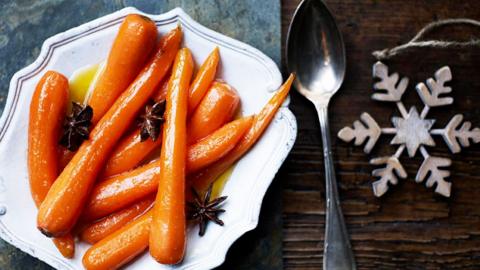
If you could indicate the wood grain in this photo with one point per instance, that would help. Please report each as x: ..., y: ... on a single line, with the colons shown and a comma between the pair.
x: 410, y: 227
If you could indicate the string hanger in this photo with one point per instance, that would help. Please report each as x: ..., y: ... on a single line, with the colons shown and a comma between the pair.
x: 416, y: 41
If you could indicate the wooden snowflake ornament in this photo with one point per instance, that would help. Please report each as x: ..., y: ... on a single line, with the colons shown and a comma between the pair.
x: 412, y: 131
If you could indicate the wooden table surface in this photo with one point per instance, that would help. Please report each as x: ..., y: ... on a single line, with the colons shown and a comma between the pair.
x: 410, y: 227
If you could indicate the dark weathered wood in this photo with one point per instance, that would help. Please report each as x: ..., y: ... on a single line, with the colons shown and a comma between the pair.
x: 410, y: 227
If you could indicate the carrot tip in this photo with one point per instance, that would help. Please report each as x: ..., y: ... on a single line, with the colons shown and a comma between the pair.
x: 68, y: 255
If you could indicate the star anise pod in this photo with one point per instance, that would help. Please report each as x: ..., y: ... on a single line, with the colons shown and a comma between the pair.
x: 76, y: 127
x: 203, y: 211
x: 151, y: 121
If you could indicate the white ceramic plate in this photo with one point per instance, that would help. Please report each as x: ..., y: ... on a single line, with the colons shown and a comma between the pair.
x: 254, y: 75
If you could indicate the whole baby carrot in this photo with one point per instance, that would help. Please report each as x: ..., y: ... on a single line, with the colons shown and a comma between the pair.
x: 121, y: 246
x: 119, y: 191
x: 64, y: 202
x: 204, y: 178
x: 203, y: 79
x: 130, y: 50
x: 106, y: 226
x: 216, y: 108
x: 168, y: 231
x: 47, y: 111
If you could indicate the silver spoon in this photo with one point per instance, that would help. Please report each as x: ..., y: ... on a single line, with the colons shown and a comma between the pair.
x: 316, y: 53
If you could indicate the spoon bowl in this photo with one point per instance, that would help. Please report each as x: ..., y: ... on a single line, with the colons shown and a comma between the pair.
x: 315, y: 52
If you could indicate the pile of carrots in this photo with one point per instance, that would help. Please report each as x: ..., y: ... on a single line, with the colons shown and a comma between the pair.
x: 113, y: 192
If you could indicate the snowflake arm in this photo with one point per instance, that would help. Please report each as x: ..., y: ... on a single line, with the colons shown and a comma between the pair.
x: 431, y: 168
x: 366, y: 128
x: 386, y: 175
x: 451, y: 133
x: 389, y: 85
x: 430, y: 93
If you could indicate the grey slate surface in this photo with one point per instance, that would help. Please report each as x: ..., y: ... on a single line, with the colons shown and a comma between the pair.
x: 25, y: 24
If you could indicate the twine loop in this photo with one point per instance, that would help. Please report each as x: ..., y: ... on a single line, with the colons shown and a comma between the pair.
x: 416, y: 42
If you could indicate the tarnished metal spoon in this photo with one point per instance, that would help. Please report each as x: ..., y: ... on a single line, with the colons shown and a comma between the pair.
x: 316, y: 53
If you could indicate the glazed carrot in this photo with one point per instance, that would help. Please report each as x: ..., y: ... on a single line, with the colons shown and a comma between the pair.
x: 120, y: 247
x: 202, y: 180
x: 168, y: 231
x: 216, y: 108
x: 104, y: 227
x: 65, y: 200
x: 133, y: 44
x: 47, y: 110
x: 117, y: 192
x: 203, y: 154
x: 203, y: 80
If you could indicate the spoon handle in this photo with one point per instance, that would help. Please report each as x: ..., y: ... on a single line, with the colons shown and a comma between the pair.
x: 337, y: 254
